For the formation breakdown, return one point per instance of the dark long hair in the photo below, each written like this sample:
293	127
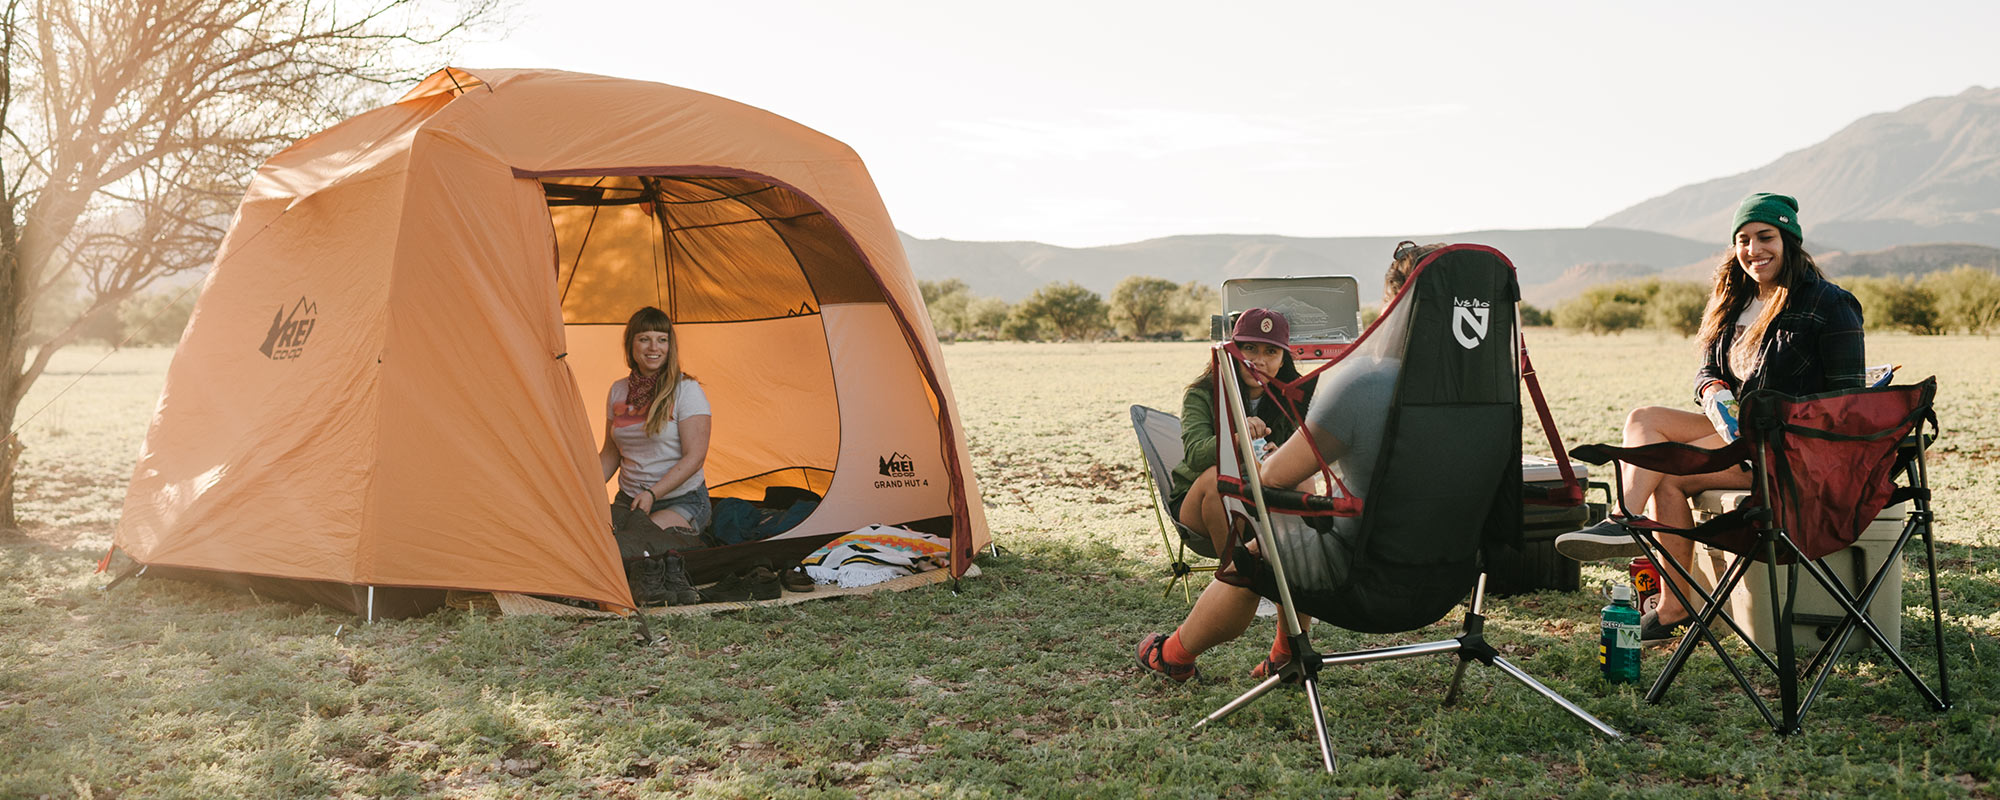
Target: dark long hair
1287	372
1733	289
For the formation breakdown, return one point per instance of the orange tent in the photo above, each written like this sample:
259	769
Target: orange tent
395	374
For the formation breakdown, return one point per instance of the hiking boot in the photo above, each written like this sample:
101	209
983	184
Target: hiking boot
647	578
1152	659
1603	541
674	581
796	579
763	583
732	589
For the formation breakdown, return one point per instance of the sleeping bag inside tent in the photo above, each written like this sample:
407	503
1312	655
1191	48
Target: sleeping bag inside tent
394	381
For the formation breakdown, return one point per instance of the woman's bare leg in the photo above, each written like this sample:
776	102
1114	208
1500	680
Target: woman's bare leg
1671	507
1223	612
1651	425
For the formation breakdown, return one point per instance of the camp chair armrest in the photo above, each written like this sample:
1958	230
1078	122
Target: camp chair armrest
1673	458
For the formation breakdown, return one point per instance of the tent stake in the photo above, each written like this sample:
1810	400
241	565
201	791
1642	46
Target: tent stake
645	631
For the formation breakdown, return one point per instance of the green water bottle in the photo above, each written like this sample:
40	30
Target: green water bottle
1618	647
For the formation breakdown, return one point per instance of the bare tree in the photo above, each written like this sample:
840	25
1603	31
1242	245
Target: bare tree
128	129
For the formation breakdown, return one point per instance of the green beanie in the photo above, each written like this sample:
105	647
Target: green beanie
1777	209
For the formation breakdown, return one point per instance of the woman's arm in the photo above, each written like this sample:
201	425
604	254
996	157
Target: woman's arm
1293	463
607	455
1198	429
694	451
1712	375
1841	350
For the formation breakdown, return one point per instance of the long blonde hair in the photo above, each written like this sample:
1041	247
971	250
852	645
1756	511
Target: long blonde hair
653	320
1734	289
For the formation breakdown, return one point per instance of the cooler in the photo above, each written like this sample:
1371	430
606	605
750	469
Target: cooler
1817	613
1537	565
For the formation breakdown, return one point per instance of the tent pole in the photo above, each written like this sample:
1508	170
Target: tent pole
371	605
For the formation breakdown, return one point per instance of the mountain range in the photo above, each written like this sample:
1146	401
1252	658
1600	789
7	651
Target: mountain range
1902	192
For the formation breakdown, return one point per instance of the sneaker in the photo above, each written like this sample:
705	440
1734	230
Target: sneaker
763	583
796	579
1652	630
1152	659
647	578
1605	540
732	589
679	592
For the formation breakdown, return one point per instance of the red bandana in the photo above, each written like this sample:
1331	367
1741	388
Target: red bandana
639	391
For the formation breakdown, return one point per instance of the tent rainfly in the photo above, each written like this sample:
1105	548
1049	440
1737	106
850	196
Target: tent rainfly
393	383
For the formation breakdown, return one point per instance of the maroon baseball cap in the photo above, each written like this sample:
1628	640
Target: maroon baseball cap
1263	325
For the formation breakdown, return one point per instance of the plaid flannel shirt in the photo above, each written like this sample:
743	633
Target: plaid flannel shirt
1813	346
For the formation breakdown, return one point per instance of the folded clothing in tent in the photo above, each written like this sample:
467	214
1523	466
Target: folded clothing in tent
875	554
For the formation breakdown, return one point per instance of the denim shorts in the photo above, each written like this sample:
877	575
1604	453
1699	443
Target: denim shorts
692	504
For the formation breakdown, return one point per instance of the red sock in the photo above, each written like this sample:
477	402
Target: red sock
1281	648
1173	653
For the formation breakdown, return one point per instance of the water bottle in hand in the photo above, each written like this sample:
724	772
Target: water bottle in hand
1720	406
1258	447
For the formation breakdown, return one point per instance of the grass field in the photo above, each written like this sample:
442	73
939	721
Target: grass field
1021	686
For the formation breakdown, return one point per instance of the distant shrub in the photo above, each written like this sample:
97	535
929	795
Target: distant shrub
1968	299
1534	317
1608	308
1144	307
1068	309
1673	306
1895	304
1676	306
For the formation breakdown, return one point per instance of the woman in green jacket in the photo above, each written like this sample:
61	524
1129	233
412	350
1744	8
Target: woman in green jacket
1265	339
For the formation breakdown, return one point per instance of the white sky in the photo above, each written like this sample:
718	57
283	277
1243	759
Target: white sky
1080	123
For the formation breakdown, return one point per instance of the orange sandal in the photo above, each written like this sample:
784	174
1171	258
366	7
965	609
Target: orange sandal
1153	659
1271	667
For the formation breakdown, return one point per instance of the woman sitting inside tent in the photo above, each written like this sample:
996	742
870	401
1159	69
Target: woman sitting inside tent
656	429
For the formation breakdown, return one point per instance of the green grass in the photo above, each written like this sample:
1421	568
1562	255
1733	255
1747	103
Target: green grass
1020	686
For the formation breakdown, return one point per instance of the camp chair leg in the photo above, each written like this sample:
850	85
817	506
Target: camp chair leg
1937	614
1822	662
1788	675
1698	631
1711	608
1525	679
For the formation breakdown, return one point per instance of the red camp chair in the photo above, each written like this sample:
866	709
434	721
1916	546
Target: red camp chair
1825	465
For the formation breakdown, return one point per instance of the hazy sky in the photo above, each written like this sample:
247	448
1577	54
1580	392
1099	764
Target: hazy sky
1085	123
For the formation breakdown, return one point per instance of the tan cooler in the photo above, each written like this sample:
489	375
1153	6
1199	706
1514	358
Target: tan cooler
1817	613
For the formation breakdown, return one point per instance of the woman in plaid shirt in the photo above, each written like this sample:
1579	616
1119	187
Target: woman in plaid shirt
1773	322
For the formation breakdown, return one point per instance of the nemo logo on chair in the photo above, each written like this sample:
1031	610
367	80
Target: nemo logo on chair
287	337
1468	321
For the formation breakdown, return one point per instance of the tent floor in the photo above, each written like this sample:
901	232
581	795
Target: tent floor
511	603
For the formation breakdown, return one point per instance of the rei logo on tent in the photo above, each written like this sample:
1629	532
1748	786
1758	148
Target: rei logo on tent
897	465
1468	321
287	338
899	472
